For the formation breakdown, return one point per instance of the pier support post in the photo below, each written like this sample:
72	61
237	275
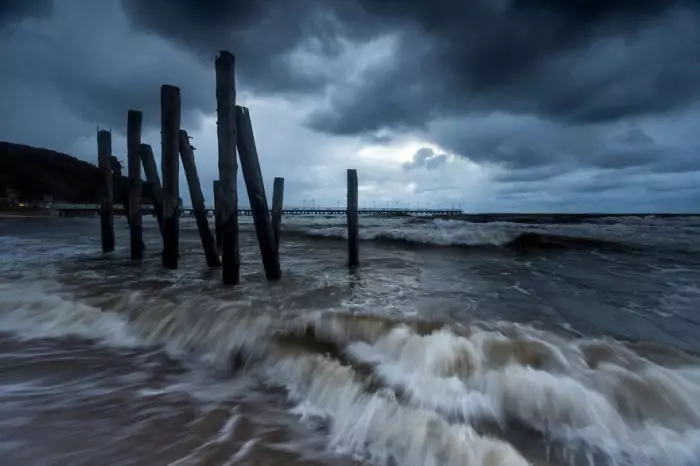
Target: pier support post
170	167
250	166
277	202
133	142
197	198
150	169
353	223
228	166
104	151
217	214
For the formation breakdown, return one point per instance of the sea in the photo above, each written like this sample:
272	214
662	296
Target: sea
474	340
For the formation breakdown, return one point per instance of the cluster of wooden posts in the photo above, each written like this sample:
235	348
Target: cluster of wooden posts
235	134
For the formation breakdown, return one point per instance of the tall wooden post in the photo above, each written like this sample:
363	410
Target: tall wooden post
170	167
353	223
197	198
150	169
217	213
250	166
277	202
228	166
104	151
133	141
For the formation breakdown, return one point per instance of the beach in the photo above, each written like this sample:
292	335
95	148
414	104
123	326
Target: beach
490	342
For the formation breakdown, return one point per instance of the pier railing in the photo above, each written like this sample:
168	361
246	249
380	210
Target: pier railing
68	209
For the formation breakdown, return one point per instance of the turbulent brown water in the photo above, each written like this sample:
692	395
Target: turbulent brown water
454	343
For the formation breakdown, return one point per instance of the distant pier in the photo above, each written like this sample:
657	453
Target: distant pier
89	210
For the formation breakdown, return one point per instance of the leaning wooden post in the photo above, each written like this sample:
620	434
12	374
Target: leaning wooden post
170	167
104	151
151	171
133	142
197	198
217	213
353	223
228	166
250	166
277	201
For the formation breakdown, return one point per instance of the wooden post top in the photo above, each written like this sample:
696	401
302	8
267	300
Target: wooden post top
226	55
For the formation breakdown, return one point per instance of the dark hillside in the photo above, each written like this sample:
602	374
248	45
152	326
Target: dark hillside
30	173
33	173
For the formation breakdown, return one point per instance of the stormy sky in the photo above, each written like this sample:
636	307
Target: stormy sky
492	105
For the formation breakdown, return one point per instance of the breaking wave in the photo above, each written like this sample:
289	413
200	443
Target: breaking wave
409	392
512	240
631	236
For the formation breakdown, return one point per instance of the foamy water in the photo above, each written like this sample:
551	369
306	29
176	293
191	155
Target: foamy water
395	364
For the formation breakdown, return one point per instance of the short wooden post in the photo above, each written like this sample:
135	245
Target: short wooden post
170	167
353	223
133	142
104	151
228	166
197	198
217	213
250	166
150	169
277	202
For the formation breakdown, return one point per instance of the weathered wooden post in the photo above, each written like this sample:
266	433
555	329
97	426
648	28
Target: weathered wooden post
197	198
228	166
133	141
104	151
353	223
250	166
170	167
277	201
151	171
217	213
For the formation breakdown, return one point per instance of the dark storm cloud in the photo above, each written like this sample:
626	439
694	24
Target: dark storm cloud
263	34
12	10
567	60
578	61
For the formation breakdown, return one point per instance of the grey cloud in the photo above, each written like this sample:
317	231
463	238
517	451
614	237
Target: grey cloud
630	191
531	174
425	157
530	148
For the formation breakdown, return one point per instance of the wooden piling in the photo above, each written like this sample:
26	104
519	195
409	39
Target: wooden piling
170	167
104	151
228	166
250	166
217	213
353	223
133	142
151	171
197	198
277	201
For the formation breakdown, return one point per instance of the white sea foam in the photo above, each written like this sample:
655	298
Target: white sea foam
433	387
36	309
640	231
435	232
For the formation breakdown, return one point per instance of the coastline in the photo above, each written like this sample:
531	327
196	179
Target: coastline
28	213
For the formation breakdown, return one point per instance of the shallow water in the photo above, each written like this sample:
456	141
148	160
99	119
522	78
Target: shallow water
453	343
